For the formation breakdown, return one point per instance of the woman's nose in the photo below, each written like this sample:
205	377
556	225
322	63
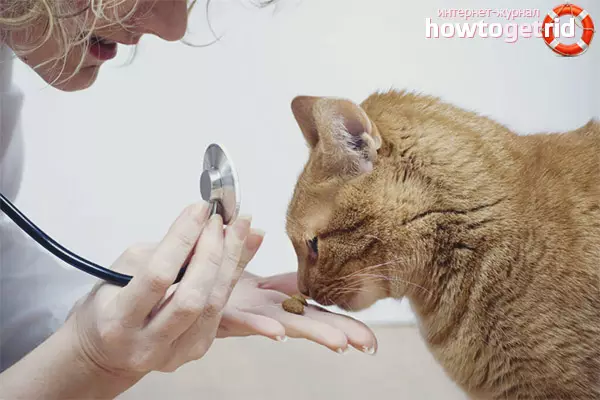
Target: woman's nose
166	19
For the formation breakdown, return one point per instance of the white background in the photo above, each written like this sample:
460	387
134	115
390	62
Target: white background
115	164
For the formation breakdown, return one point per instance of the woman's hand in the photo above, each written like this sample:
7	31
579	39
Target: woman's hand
152	324
114	336
254	308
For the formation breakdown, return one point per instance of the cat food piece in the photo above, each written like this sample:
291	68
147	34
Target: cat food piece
300	298
293	305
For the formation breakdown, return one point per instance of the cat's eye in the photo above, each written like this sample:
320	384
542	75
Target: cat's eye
313	246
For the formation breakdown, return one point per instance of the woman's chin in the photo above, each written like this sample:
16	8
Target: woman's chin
79	81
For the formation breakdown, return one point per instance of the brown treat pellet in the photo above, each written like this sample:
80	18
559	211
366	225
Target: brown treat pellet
293	306
300	298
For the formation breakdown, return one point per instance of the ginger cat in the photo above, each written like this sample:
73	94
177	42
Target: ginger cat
493	237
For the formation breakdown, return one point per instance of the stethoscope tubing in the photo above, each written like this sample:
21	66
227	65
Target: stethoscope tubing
63	253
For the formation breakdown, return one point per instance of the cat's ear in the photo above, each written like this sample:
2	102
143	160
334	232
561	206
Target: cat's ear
302	108
339	128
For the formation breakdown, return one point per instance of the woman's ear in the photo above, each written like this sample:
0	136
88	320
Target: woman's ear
340	129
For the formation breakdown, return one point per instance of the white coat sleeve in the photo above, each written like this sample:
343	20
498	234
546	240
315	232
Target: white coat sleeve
36	292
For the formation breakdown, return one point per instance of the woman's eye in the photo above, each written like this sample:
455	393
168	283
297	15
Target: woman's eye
313	244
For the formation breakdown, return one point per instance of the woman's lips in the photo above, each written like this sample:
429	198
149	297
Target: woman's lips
102	49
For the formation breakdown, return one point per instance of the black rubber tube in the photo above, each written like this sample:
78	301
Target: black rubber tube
62	253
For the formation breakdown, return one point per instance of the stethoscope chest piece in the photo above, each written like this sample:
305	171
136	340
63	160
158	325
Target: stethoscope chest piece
219	184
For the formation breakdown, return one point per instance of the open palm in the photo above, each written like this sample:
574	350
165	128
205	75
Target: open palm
254	308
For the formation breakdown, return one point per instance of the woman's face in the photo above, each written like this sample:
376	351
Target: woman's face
122	21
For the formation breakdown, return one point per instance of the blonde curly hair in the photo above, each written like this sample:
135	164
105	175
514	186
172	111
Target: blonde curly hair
70	22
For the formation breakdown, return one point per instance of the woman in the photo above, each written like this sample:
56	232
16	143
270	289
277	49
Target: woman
115	336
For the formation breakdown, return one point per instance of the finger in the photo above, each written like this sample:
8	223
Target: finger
131	260
191	299
285	283
253	243
239	254
298	326
241	245
240	323
150	284
233	263
206	325
358	334
134	258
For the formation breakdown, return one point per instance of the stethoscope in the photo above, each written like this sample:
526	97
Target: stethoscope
219	186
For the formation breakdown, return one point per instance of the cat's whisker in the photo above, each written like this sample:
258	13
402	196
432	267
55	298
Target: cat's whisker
336	292
378	265
377	278
357	290
353	282
372	267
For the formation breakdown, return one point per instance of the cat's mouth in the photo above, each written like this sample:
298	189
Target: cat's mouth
324	298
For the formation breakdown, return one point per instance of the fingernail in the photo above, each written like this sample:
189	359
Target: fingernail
242	226
200	209
216	221
281	339
368	350
343	351
254	240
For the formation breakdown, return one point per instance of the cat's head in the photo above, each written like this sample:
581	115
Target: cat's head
338	220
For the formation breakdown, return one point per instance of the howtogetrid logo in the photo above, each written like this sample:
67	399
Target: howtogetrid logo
552	30
567	29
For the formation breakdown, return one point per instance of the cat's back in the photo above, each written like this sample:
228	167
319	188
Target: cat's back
562	172
534	313
573	158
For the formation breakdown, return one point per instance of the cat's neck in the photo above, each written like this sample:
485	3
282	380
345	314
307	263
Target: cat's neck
440	302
